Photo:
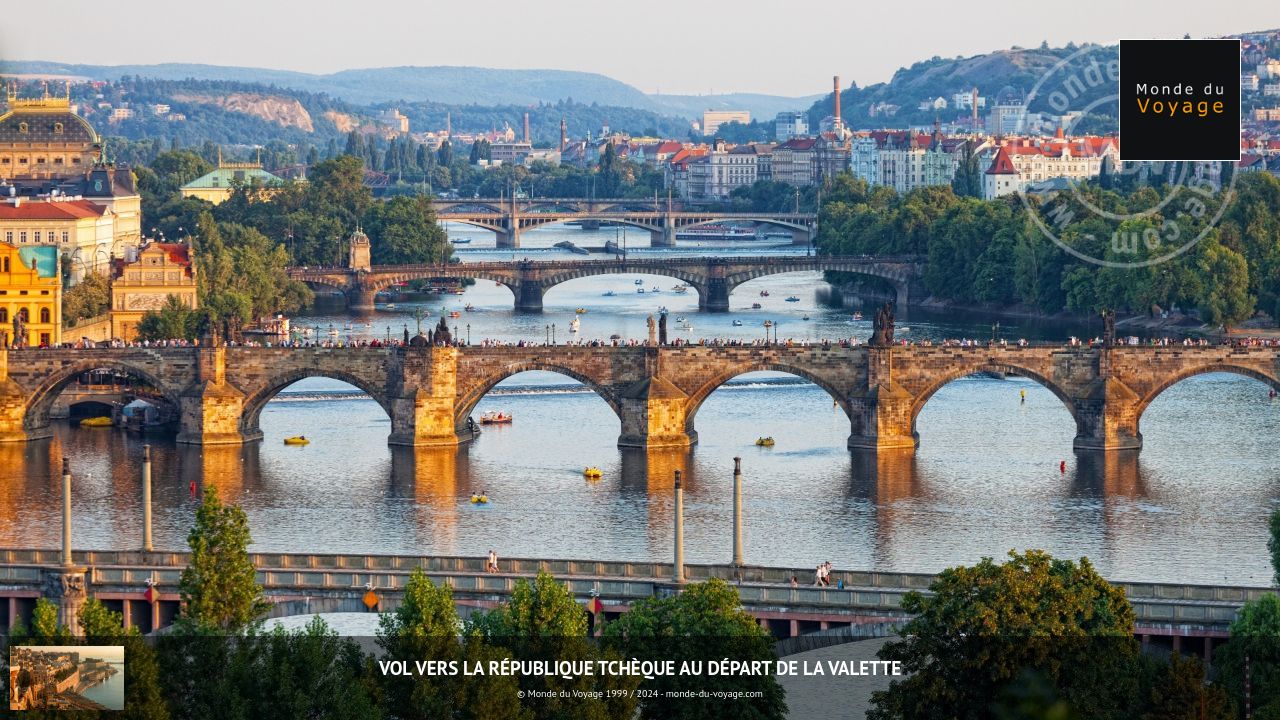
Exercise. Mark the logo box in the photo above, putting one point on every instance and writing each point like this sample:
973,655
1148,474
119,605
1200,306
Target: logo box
1180,100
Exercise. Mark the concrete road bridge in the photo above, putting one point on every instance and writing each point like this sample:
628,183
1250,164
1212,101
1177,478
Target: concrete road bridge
429,393
857,603
713,278
508,218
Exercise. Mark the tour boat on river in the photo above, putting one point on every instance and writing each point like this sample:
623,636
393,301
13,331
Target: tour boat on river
496,417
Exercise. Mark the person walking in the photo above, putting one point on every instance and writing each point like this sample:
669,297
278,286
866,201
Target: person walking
492,566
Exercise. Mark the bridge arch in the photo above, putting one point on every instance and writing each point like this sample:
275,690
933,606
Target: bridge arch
1205,369
472,396
699,396
256,400
922,397
41,400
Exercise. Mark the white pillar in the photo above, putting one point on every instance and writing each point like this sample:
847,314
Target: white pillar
737,513
66,511
146,498
677,569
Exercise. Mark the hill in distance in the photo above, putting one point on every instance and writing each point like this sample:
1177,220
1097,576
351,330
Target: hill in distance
446,85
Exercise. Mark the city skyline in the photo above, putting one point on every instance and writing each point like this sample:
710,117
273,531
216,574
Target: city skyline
877,44
108,653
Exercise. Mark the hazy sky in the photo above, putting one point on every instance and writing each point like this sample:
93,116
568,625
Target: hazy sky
110,653
681,46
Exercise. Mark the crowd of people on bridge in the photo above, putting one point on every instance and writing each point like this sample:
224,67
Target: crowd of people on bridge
682,342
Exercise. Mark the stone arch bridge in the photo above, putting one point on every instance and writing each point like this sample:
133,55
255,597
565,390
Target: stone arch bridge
713,278
429,392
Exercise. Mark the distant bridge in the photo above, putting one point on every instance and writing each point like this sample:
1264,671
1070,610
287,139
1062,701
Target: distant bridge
507,218
713,278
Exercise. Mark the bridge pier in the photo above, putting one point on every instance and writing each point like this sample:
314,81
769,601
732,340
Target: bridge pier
529,297
359,298
653,416
802,237
882,419
714,296
1107,417
422,413
210,411
665,237
509,237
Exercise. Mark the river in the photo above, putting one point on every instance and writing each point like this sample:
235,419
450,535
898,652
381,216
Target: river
1192,507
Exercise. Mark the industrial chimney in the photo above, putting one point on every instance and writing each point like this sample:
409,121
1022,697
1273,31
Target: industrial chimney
526,127
835,83
563,135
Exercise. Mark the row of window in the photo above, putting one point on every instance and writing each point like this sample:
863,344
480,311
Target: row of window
23,292
45,315
39,161
49,236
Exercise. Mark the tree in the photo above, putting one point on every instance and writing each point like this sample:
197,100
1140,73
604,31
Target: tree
173,321
219,586
87,299
705,622
987,625
542,621
426,625
1254,644
1273,543
967,181
1225,299
404,230
1180,691
143,699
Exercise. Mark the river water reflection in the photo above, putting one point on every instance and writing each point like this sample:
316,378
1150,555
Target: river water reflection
1191,507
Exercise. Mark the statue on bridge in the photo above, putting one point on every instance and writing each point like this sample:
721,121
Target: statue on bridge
662,329
1108,328
20,329
653,331
882,326
442,335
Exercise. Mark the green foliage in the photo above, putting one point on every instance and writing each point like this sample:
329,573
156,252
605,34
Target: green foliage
143,697
1273,543
406,231
426,626
985,626
980,251
241,275
542,621
89,298
1254,643
704,622
219,587
173,321
1180,692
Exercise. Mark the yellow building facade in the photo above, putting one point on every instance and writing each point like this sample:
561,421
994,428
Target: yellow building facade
30,296
145,283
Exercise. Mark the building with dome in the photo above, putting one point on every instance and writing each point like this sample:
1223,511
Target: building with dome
51,157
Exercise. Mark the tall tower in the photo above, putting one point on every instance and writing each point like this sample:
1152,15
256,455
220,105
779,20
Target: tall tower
359,255
835,119
974,102
526,127
448,124
564,135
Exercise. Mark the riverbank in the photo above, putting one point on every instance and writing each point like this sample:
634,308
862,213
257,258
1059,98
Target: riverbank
1166,324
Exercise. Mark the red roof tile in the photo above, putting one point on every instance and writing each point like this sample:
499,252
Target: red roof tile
49,210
